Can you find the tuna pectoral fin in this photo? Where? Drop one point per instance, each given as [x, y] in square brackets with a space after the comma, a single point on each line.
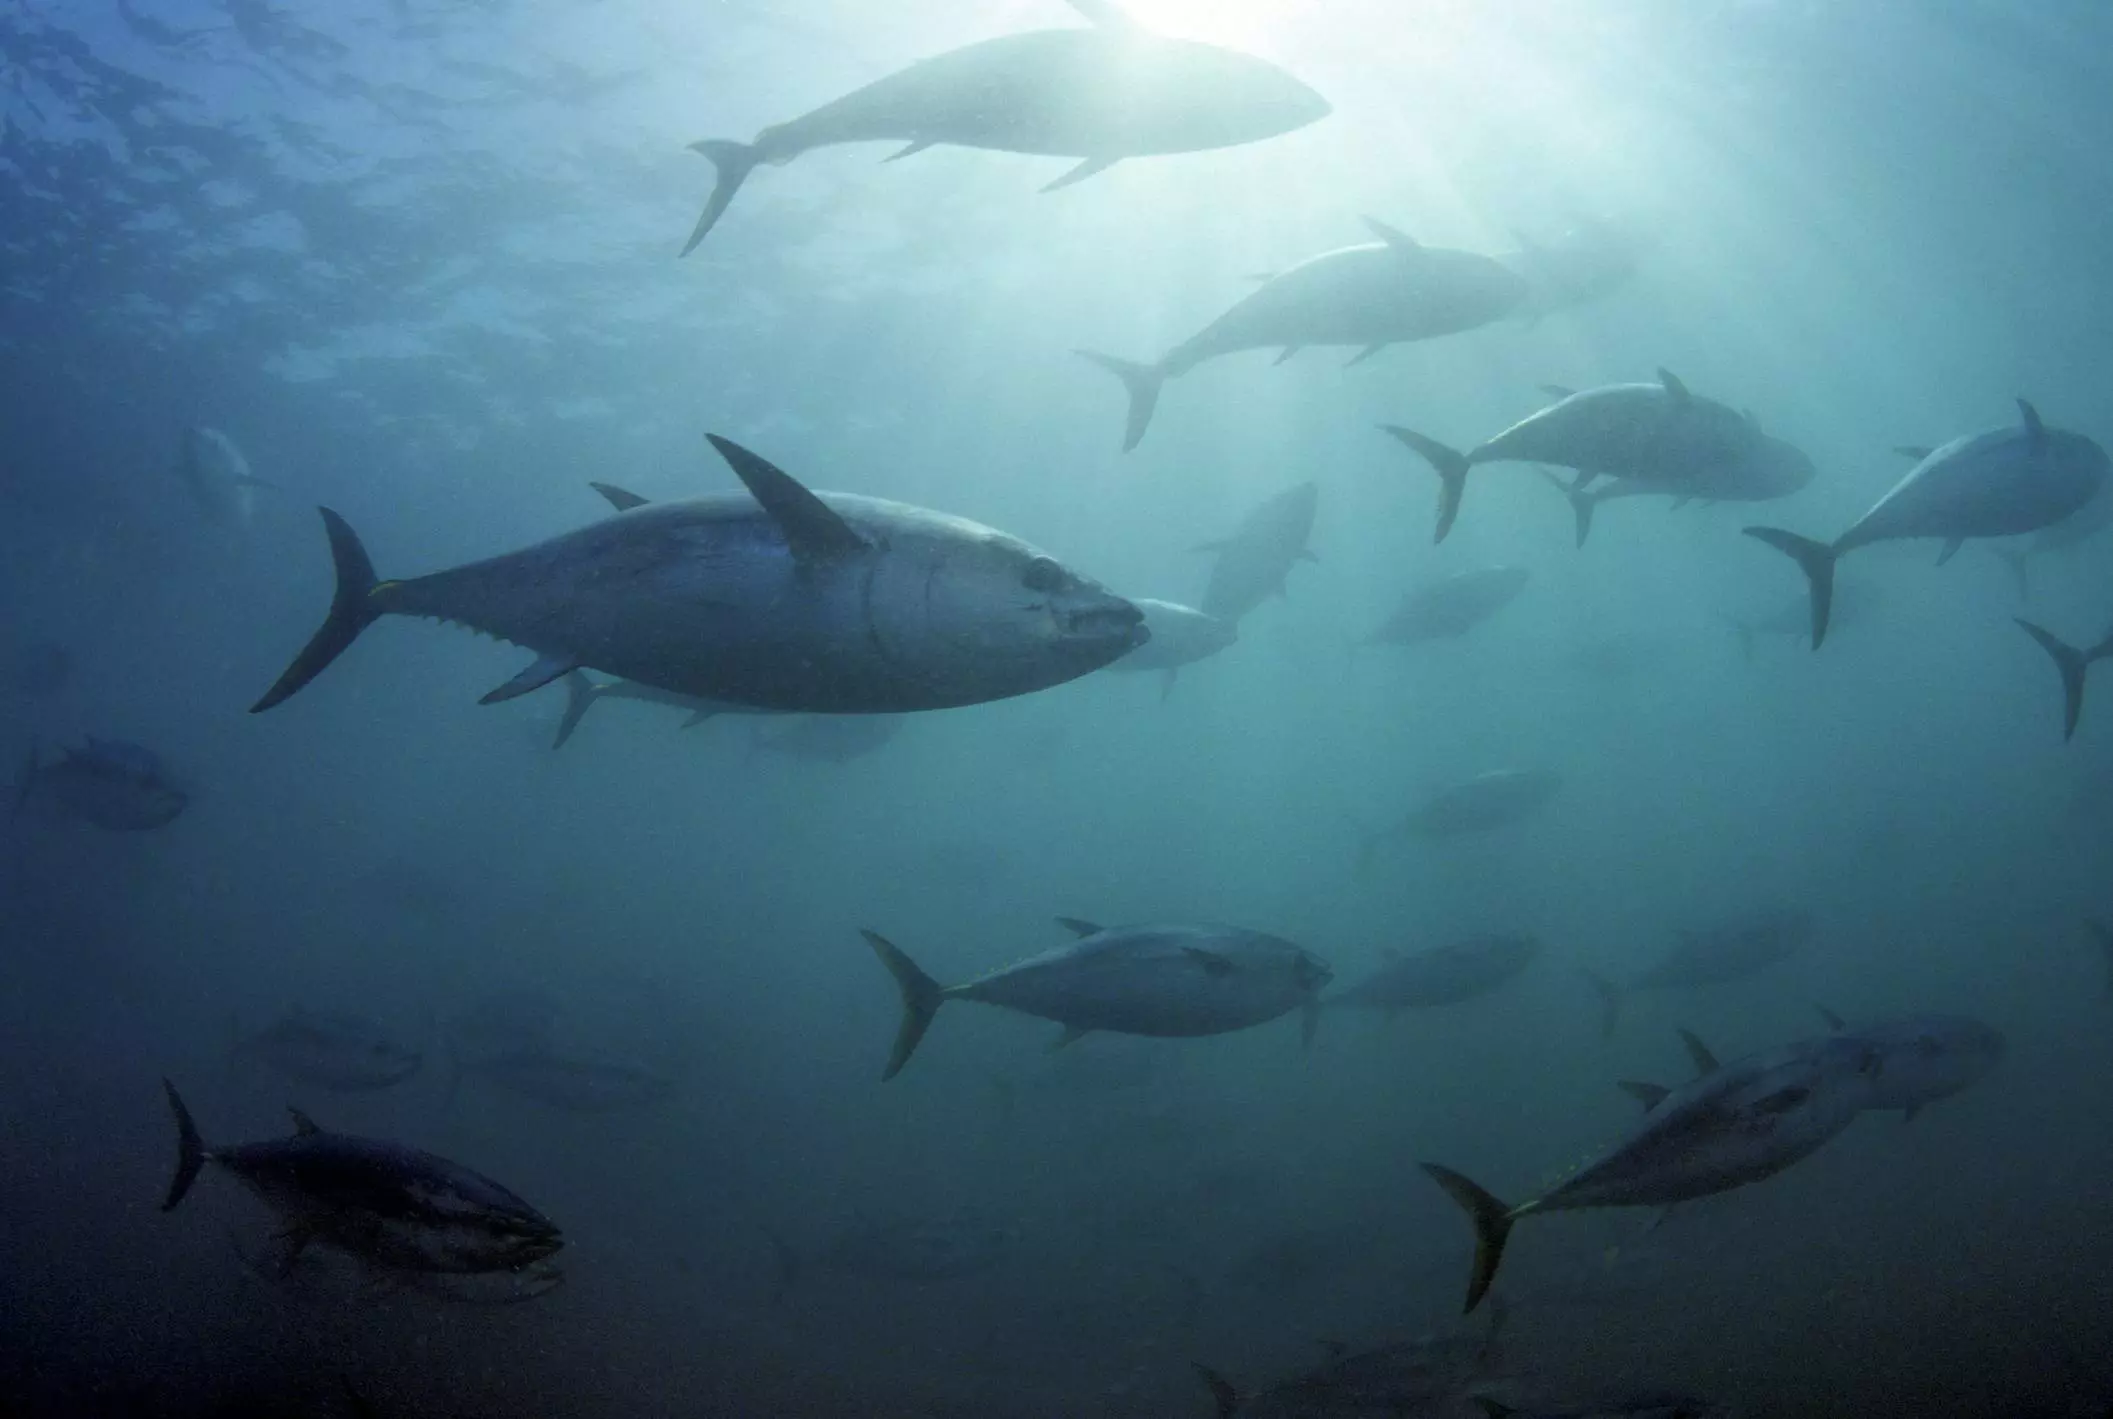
[1141, 382]
[190, 1150]
[1088, 168]
[2072, 663]
[1649, 1095]
[734, 161]
[1222, 1392]
[1610, 998]
[580, 696]
[351, 611]
[1449, 464]
[1816, 560]
[921, 998]
[545, 669]
[1493, 1224]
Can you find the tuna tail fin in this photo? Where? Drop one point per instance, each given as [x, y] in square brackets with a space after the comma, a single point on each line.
[734, 162]
[2072, 663]
[1493, 1224]
[190, 1150]
[352, 610]
[1449, 464]
[580, 695]
[2104, 933]
[2020, 564]
[1222, 1392]
[1610, 998]
[921, 998]
[1816, 560]
[1141, 382]
[1582, 503]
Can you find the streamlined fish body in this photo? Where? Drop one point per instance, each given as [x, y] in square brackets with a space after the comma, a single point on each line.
[1451, 607]
[331, 1049]
[781, 600]
[1254, 563]
[1441, 975]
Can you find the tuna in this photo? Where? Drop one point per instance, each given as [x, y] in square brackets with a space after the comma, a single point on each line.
[778, 600]
[1440, 975]
[1765, 470]
[1659, 435]
[574, 1080]
[1110, 91]
[2071, 664]
[332, 1050]
[1442, 610]
[1478, 805]
[392, 1206]
[1726, 951]
[218, 476]
[1176, 981]
[1737, 1124]
[1181, 635]
[1430, 1375]
[1588, 262]
[2002, 483]
[1391, 292]
[109, 783]
[1253, 564]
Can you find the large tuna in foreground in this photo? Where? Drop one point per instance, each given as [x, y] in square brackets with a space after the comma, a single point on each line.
[784, 600]
[1102, 93]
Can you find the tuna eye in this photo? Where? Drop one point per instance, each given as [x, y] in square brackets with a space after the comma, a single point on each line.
[1042, 574]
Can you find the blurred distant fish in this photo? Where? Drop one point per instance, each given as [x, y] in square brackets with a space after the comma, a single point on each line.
[218, 476]
[1738, 1123]
[829, 738]
[1254, 562]
[1110, 91]
[392, 1206]
[778, 599]
[1181, 635]
[2072, 531]
[331, 1050]
[1429, 1376]
[909, 1250]
[1997, 484]
[515, 1021]
[1453, 606]
[1440, 975]
[110, 783]
[37, 670]
[1711, 955]
[1386, 293]
[1854, 601]
[1660, 435]
[1478, 805]
[1925, 1058]
[1590, 261]
[1171, 980]
[1278, 1265]
[573, 1079]
[2072, 665]
[583, 694]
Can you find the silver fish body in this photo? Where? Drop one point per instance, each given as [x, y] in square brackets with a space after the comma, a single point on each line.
[331, 1050]
[1452, 607]
[1253, 563]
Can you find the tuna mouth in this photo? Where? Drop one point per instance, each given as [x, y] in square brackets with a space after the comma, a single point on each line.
[1117, 621]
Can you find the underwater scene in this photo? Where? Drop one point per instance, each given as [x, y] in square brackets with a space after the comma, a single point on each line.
[1056, 709]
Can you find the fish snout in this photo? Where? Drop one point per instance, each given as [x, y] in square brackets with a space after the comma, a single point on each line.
[1107, 620]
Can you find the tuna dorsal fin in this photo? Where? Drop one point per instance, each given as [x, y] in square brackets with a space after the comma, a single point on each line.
[1916, 451]
[1079, 926]
[1645, 1093]
[1705, 1062]
[303, 1125]
[1213, 964]
[622, 499]
[1557, 391]
[1951, 549]
[547, 668]
[1071, 1035]
[1394, 237]
[1673, 386]
[812, 529]
[1104, 13]
[1834, 1022]
[2034, 429]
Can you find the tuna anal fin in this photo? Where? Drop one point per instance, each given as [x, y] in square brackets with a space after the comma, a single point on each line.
[812, 529]
[1084, 170]
[546, 669]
